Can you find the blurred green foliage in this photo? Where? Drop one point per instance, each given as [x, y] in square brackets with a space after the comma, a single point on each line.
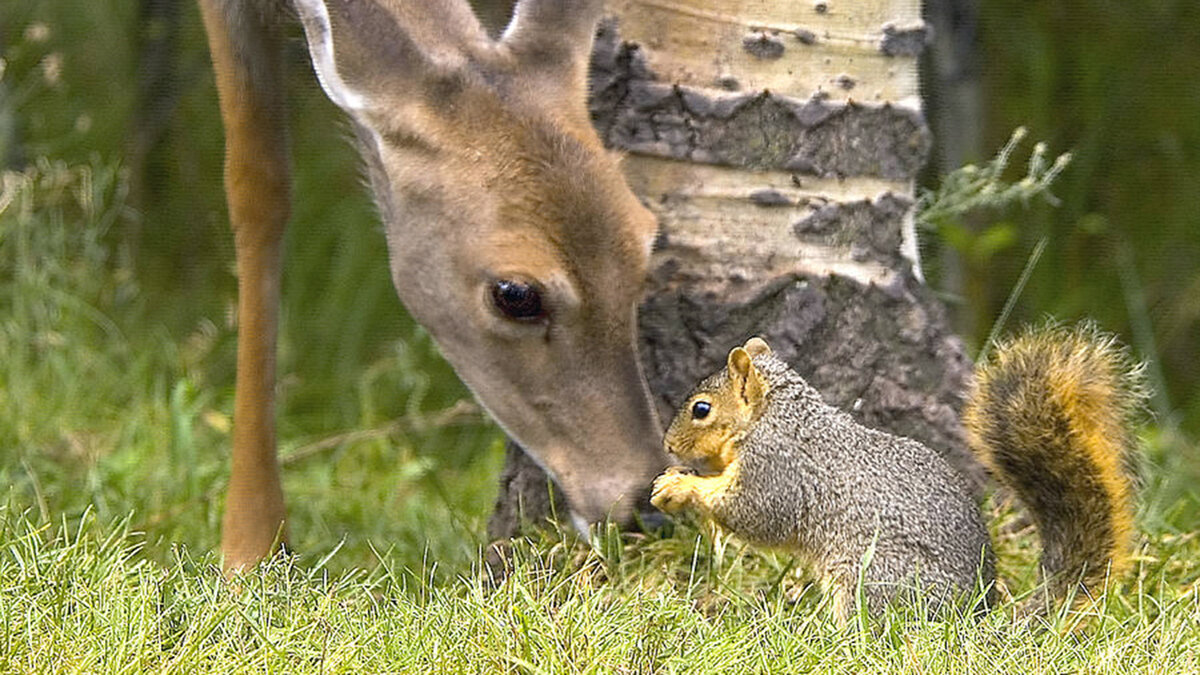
[1117, 84]
[340, 312]
[969, 189]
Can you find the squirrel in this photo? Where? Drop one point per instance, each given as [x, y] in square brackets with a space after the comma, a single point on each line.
[1051, 416]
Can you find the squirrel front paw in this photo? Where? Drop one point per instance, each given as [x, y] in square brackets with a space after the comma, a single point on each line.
[673, 490]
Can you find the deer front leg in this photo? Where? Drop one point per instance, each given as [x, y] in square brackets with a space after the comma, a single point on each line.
[245, 54]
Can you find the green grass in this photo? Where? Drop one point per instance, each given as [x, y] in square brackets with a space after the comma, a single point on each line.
[113, 450]
[88, 598]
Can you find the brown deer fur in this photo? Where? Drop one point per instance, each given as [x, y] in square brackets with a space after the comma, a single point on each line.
[486, 170]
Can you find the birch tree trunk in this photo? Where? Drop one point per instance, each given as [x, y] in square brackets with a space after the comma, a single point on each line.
[777, 142]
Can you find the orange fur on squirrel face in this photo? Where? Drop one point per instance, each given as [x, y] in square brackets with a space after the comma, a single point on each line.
[730, 401]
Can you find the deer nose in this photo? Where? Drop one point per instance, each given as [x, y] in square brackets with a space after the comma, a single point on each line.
[650, 520]
[645, 517]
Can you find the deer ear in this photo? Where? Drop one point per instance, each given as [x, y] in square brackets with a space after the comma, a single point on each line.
[364, 49]
[554, 37]
[745, 378]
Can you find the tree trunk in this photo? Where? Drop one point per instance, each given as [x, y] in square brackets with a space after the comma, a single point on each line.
[778, 144]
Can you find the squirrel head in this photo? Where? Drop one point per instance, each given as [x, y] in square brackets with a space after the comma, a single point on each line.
[720, 411]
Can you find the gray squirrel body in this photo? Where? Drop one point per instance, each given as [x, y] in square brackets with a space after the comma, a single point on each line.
[769, 460]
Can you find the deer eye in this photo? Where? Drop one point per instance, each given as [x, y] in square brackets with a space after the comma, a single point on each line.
[517, 300]
[700, 409]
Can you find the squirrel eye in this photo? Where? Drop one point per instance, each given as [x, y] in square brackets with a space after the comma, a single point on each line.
[700, 409]
[517, 300]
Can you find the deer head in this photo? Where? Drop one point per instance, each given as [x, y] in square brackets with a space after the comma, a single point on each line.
[513, 237]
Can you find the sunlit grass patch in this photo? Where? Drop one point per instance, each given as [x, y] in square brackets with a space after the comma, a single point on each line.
[86, 598]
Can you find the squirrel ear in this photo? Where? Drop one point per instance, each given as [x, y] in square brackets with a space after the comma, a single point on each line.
[756, 346]
[746, 379]
[738, 363]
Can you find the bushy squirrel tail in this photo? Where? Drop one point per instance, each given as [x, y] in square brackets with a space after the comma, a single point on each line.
[1052, 416]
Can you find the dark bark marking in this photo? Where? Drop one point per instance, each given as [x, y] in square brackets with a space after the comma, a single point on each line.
[805, 36]
[759, 130]
[870, 225]
[527, 496]
[763, 46]
[770, 197]
[906, 40]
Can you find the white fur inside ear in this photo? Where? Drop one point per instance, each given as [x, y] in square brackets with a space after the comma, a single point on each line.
[513, 22]
[319, 32]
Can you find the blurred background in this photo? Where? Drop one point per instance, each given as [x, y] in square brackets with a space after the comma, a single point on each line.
[108, 115]
[1117, 85]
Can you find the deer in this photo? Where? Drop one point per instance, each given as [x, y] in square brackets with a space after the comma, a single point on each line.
[513, 237]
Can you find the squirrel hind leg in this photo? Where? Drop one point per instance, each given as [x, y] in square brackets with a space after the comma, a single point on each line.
[843, 603]
[849, 594]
